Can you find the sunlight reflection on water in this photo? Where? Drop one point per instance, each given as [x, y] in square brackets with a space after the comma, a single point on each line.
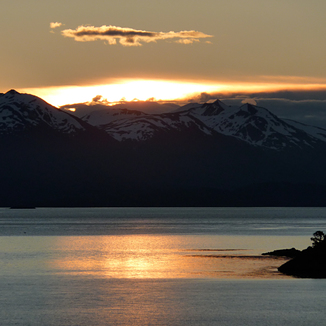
[144, 256]
[151, 256]
[155, 267]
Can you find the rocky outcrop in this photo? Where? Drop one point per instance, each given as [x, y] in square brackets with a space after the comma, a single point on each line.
[310, 263]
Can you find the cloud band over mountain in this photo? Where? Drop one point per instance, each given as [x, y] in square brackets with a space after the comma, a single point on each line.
[130, 36]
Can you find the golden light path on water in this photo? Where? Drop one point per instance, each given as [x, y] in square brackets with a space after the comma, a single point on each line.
[153, 256]
[163, 90]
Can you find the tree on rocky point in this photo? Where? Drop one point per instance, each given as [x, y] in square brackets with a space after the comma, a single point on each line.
[318, 237]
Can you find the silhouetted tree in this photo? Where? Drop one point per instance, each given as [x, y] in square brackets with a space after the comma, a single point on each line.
[318, 238]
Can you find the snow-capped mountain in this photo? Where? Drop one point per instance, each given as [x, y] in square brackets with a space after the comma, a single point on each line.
[103, 117]
[252, 124]
[198, 155]
[256, 126]
[20, 112]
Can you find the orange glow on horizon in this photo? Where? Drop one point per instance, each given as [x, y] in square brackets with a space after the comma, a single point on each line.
[165, 90]
[126, 90]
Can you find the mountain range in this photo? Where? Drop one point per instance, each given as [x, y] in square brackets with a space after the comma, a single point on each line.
[206, 154]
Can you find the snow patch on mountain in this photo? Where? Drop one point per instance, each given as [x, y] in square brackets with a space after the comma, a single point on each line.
[316, 132]
[147, 126]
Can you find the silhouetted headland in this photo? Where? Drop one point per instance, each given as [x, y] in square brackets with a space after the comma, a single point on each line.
[309, 263]
[290, 253]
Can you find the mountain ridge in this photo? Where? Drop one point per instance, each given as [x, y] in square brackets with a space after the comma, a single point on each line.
[252, 124]
[180, 158]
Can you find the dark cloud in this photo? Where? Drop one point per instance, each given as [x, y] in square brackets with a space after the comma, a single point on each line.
[311, 112]
[202, 98]
[129, 36]
[295, 95]
[97, 98]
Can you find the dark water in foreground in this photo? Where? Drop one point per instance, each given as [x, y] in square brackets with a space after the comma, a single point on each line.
[155, 266]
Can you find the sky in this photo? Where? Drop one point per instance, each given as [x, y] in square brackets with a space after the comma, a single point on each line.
[69, 51]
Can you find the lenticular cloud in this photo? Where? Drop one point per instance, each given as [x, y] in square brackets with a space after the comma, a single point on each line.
[129, 36]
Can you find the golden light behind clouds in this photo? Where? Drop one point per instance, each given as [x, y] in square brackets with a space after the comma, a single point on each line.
[127, 89]
[165, 90]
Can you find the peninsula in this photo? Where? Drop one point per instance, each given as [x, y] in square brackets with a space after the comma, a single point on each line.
[309, 263]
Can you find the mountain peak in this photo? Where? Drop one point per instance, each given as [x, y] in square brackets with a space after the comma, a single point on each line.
[215, 103]
[19, 112]
[218, 102]
[250, 108]
[12, 92]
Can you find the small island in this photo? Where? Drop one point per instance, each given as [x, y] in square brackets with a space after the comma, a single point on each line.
[308, 263]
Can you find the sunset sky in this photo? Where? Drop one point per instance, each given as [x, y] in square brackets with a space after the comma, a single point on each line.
[69, 51]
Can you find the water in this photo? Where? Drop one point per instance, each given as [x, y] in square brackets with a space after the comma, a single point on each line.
[155, 266]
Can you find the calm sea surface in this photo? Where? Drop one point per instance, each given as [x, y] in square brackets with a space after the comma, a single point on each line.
[156, 266]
